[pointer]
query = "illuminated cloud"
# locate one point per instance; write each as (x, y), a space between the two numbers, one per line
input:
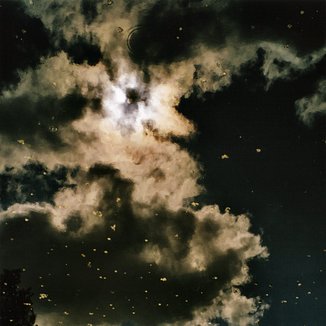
(117, 239)
(102, 257)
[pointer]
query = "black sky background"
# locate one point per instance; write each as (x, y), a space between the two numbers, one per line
(282, 187)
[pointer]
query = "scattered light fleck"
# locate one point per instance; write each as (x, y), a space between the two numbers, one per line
(97, 213)
(43, 296)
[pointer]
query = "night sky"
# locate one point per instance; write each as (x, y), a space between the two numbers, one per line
(163, 162)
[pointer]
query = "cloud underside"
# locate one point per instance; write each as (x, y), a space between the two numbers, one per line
(99, 200)
(161, 268)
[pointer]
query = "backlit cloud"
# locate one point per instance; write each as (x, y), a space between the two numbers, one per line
(114, 238)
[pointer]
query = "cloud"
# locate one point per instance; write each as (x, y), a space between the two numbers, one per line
(57, 76)
(310, 107)
(284, 63)
(37, 125)
(127, 266)
(239, 310)
(110, 233)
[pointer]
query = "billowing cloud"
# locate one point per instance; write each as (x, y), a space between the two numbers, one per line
(97, 256)
(98, 191)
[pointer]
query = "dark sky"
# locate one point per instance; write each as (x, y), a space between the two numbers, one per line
(122, 124)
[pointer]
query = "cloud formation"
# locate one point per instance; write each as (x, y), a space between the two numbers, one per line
(98, 255)
(113, 233)
(310, 106)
